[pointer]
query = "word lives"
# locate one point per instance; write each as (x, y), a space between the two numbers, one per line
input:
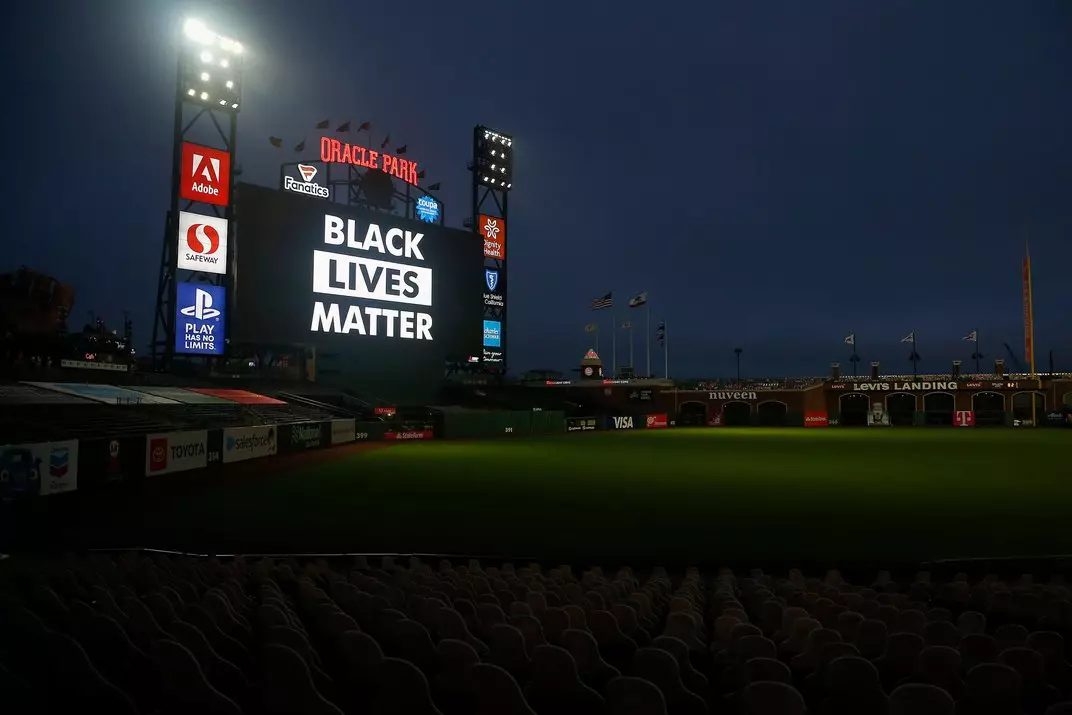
(361, 278)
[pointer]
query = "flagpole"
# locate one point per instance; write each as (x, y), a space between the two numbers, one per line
(597, 338)
(1029, 326)
(632, 365)
(647, 337)
(666, 352)
(976, 356)
(613, 342)
(915, 355)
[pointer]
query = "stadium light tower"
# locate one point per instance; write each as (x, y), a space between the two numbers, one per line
(493, 179)
(208, 97)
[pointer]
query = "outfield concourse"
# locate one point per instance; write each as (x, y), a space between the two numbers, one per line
(707, 496)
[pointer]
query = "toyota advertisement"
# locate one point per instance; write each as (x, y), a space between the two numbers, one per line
(397, 297)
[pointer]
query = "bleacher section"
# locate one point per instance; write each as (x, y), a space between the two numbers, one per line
(153, 633)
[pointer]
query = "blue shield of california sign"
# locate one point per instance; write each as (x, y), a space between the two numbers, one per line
(491, 279)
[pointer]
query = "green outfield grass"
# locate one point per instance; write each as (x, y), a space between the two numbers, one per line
(675, 496)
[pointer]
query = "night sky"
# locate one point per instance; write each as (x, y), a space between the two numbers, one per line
(776, 174)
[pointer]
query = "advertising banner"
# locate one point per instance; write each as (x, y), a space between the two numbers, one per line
(38, 469)
(815, 419)
(581, 424)
(199, 319)
(385, 411)
(242, 443)
(206, 174)
(302, 436)
(175, 452)
(342, 431)
(409, 434)
(102, 461)
(964, 418)
(878, 416)
(493, 231)
(202, 243)
(656, 422)
(622, 422)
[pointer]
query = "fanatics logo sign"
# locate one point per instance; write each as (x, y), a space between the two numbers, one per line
(206, 174)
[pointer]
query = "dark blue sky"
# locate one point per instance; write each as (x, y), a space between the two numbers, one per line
(775, 174)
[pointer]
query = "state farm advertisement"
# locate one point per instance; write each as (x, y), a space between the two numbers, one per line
(383, 295)
(202, 243)
(815, 419)
(241, 443)
(175, 452)
(657, 422)
(409, 434)
(206, 174)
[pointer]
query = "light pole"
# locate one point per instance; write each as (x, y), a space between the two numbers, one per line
(738, 352)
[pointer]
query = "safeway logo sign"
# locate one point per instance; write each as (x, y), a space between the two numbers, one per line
(306, 185)
(202, 308)
(206, 174)
(202, 243)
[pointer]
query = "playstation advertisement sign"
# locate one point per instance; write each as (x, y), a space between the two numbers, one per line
(199, 319)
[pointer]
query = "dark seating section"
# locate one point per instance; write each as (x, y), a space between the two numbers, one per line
(154, 633)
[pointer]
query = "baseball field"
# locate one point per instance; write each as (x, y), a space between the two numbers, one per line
(710, 496)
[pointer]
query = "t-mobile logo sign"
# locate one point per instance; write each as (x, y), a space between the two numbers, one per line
(964, 418)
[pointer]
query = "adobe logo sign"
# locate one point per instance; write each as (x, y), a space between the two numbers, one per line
(206, 174)
(202, 243)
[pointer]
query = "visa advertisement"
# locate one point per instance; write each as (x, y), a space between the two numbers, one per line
(199, 319)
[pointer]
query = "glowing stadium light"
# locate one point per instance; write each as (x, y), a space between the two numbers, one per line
(492, 160)
(203, 47)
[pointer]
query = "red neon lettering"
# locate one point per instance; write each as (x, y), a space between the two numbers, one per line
(359, 155)
(325, 148)
(335, 150)
(412, 173)
(403, 169)
(347, 158)
(388, 164)
(373, 157)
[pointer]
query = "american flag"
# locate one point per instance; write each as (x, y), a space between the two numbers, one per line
(603, 302)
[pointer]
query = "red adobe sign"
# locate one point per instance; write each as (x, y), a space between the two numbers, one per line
(206, 174)
(655, 422)
(964, 418)
(815, 419)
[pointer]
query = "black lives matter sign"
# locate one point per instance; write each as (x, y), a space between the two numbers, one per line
(355, 265)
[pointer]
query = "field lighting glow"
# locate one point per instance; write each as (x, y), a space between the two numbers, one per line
(197, 32)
